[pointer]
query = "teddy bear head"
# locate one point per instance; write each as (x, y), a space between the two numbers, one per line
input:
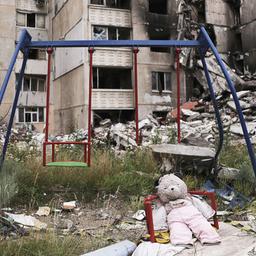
(170, 188)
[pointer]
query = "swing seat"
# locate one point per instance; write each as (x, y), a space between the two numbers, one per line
(67, 164)
(54, 163)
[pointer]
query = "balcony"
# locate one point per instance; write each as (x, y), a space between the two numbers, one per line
(38, 34)
(112, 58)
(104, 16)
(33, 67)
(112, 99)
(35, 99)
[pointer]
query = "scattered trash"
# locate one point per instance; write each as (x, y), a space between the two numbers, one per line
(43, 211)
(27, 221)
(124, 248)
(69, 205)
(139, 215)
(156, 249)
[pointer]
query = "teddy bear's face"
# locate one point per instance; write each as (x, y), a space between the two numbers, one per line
(171, 188)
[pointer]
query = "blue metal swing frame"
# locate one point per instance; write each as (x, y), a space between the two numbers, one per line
(203, 44)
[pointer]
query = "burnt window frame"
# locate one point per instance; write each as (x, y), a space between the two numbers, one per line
(117, 4)
(117, 32)
(97, 76)
(155, 77)
(158, 12)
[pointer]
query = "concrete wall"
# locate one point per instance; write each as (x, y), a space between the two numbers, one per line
(7, 45)
(154, 61)
(248, 32)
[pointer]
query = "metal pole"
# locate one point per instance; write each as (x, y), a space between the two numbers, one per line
(135, 51)
(217, 113)
(207, 41)
(22, 39)
(14, 107)
(178, 51)
(91, 50)
(49, 52)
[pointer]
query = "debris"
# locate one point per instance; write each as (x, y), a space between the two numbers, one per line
(139, 215)
(228, 173)
(69, 205)
(156, 249)
(43, 211)
(124, 248)
(27, 221)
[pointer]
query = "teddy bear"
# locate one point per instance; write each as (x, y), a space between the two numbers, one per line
(183, 218)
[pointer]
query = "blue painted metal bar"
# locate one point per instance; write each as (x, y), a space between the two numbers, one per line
(14, 107)
(215, 105)
(206, 40)
(23, 39)
(114, 43)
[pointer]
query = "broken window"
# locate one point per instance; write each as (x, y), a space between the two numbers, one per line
(116, 116)
(99, 2)
(112, 78)
(158, 6)
(31, 20)
(31, 114)
(33, 83)
(36, 54)
(161, 81)
(120, 4)
(159, 36)
(110, 33)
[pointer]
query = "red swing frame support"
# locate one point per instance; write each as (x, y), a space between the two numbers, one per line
(86, 144)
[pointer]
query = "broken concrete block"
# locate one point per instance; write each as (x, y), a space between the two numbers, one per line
(228, 173)
(237, 129)
(105, 123)
(244, 105)
(182, 150)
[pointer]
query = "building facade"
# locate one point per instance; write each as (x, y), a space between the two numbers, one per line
(231, 24)
(113, 69)
(32, 15)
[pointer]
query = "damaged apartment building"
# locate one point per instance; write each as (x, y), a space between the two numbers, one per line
(32, 15)
(231, 24)
(113, 68)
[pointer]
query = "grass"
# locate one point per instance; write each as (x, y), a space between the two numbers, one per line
(130, 176)
(42, 245)
(236, 156)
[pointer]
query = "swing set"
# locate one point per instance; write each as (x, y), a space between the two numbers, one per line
(203, 43)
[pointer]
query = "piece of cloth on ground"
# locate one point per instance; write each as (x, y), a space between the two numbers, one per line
(155, 249)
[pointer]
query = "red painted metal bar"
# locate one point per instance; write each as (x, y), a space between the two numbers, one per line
(178, 51)
(212, 197)
(49, 52)
(85, 153)
(91, 50)
(53, 153)
(66, 142)
(149, 217)
(135, 51)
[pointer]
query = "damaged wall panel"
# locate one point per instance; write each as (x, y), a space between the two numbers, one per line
(219, 13)
(247, 11)
(225, 38)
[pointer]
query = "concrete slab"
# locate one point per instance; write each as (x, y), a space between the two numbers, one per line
(183, 150)
(234, 243)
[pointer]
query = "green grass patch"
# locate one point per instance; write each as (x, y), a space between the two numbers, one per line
(42, 245)
(132, 175)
